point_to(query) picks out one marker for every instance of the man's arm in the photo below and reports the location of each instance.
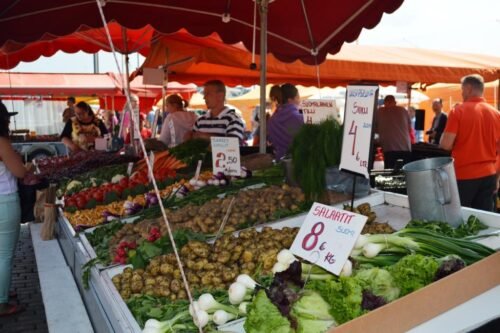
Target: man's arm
(447, 141)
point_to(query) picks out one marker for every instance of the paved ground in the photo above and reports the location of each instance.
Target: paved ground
(25, 283)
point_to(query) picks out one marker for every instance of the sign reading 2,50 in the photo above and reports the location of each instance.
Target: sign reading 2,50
(221, 160)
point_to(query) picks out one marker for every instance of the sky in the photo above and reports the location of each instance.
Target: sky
(451, 25)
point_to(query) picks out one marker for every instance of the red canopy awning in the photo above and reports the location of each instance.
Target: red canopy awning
(85, 39)
(305, 30)
(99, 85)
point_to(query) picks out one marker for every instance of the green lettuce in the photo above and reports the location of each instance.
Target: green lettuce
(413, 272)
(264, 316)
(344, 295)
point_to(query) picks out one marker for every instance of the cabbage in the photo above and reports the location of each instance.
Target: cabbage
(116, 179)
(73, 184)
(311, 313)
(380, 282)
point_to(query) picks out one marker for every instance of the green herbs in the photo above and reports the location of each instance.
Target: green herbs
(99, 239)
(191, 151)
(146, 250)
(470, 228)
(315, 148)
(145, 307)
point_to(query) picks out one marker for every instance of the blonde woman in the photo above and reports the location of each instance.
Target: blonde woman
(178, 121)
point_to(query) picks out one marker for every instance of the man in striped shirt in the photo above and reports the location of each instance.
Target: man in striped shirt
(219, 120)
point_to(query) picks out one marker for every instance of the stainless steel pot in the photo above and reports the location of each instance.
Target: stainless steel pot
(432, 190)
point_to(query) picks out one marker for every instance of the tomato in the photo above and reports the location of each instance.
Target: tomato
(133, 183)
(88, 195)
(124, 182)
(98, 196)
(118, 188)
(81, 203)
(70, 202)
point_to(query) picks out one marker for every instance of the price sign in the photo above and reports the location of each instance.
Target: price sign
(327, 236)
(130, 166)
(317, 110)
(226, 156)
(358, 120)
(152, 163)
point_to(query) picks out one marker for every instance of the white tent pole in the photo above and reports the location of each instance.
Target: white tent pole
(263, 67)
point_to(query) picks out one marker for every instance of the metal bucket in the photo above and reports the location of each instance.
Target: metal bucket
(432, 190)
(289, 173)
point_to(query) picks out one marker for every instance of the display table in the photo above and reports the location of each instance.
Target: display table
(109, 313)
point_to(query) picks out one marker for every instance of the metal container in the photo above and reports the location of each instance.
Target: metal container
(289, 172)
(433, 191)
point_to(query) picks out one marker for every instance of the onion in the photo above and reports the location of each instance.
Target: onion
(237, 292)
(247, 281)
(221, 317)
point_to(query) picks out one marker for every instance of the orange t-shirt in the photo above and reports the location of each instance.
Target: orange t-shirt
(476, 125)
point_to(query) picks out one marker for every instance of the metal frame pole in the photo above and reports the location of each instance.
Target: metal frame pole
(263, 68)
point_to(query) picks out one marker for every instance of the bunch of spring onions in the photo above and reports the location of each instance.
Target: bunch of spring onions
(207, 309)
(383, 250)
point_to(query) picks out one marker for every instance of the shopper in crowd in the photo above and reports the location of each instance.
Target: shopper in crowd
(219, 120)
(438, 123)
(143, 130)
(276, 97)
(392, 124)
(413, 132)
(11, 167)
(256, 122)
(285, 122)
(126, 114)
(178, 123)
(472, 134)
(110, 120)
(80, 131)
(69, 112)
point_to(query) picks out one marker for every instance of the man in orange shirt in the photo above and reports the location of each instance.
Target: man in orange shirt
(472, 134)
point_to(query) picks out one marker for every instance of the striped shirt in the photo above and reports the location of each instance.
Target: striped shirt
(227, 123)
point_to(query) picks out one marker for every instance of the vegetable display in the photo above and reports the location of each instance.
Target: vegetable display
(207, 266)
(55, 169)
(250, 207)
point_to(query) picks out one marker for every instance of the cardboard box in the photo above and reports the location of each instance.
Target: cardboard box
(429, 302)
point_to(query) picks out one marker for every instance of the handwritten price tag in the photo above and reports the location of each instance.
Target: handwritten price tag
(357, 137)
(327, 236)
(317, 110)
(226, 156)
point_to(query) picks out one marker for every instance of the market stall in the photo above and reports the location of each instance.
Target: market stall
(167, 244)
(114, 240)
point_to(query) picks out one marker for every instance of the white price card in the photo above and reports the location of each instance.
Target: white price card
(327, 236)
(226, 156)
(317, 110)
(358, 127)
(130, 167)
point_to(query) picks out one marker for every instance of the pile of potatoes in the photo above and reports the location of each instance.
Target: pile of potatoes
(207, 266)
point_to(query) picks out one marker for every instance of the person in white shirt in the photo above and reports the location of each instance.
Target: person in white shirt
(11, 168)
(178, 122)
